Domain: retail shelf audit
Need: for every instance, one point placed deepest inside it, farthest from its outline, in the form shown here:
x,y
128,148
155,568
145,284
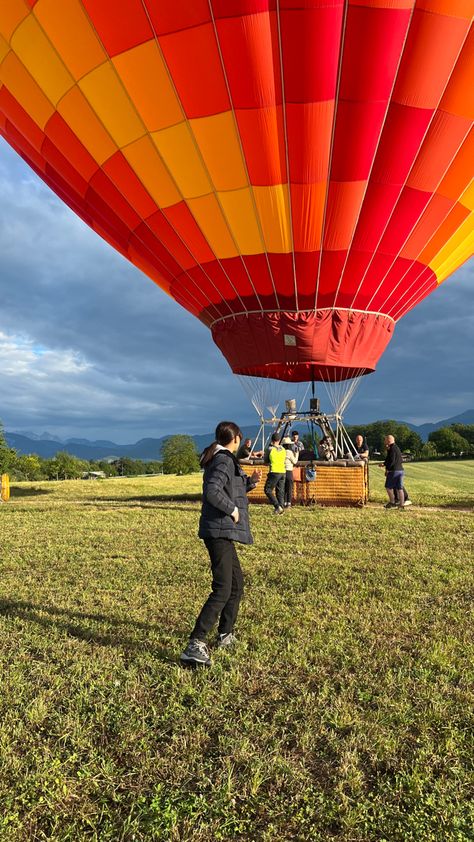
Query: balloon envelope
x,y
298,175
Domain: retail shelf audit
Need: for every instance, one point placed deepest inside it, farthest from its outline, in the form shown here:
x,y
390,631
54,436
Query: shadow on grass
x,y
421,505
149,500
461,505
35,614
15,491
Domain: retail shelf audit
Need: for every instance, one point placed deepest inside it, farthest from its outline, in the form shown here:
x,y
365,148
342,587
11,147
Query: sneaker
x,y
391,505
278,511
407,503
226,641
196,654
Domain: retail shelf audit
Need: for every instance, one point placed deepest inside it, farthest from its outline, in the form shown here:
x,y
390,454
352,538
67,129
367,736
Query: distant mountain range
x,y
424,430
146,449
47,446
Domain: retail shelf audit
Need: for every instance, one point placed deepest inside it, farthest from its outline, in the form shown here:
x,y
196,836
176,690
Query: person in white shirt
x,y
296,445
290,462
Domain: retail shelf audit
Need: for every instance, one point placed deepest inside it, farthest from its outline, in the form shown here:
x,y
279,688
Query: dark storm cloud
x,y
427,373
92,347
94,344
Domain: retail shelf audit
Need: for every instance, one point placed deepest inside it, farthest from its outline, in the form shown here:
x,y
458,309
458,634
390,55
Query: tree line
x,y
455,440
179,456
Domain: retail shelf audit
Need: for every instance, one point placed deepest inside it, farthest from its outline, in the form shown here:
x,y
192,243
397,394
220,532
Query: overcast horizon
x,y
91,348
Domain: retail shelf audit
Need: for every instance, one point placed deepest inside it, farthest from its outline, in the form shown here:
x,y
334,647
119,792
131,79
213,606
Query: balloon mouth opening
x,y
303,372
328,345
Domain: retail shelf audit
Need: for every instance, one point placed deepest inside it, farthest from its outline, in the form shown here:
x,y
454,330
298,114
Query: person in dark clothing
x,y
393,465
245,450
404,496
224,519
361,446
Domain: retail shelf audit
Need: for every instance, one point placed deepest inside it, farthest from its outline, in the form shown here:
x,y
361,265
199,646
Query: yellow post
x,y
5,488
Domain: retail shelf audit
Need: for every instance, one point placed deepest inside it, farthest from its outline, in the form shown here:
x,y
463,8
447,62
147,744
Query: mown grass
x,y
432,483
346,713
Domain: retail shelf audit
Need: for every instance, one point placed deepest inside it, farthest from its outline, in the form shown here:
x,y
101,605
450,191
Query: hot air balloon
x,y
295,173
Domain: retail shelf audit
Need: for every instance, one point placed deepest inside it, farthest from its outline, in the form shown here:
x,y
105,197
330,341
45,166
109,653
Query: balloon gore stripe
x,y
301,163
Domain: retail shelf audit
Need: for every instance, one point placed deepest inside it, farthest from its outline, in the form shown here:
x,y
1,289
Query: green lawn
x,y
346,714
432,483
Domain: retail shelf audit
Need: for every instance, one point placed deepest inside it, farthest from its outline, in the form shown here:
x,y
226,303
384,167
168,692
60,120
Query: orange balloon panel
x,y
297,175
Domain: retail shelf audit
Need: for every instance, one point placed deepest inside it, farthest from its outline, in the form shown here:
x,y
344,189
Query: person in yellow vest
x,y
275,484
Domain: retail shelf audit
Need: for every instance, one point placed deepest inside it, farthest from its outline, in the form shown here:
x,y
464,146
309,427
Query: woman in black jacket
x,y
224,519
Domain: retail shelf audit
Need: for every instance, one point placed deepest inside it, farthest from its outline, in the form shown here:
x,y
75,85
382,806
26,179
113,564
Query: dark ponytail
x,y
226,432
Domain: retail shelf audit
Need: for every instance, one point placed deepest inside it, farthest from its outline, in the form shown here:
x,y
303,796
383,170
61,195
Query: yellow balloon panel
x,y
208,214
4,49
72,35
180,154
12,14
219,146
41,59
146,162
239,210
157,104
25,90
113,107
274,211
453,251
80,116
467,198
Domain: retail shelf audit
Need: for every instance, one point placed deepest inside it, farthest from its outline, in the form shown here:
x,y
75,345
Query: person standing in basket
x,y
297,444
245,450
275,484
224,519
290,462
361,446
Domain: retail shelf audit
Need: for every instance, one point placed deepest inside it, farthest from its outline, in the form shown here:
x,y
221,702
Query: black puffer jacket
x,y
225,486
393,459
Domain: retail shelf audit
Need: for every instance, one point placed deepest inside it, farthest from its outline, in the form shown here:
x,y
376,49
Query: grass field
x,y
346,713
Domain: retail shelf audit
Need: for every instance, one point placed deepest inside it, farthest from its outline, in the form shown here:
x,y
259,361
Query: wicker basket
x,y
258,493
341,485
344,484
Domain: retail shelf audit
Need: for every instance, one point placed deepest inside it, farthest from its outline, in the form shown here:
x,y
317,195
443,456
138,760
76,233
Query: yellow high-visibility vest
x,y
277,458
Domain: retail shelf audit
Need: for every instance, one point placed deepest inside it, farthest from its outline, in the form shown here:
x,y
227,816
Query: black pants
x,y
275,482
288,487
227,589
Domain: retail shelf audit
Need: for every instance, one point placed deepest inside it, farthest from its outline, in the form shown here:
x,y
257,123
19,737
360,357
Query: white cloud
x,y
22,358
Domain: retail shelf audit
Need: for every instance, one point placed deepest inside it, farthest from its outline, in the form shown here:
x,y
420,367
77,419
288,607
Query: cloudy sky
x,y
90,347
